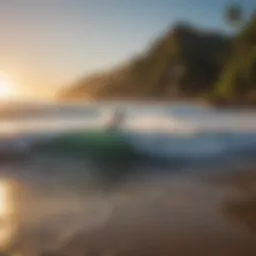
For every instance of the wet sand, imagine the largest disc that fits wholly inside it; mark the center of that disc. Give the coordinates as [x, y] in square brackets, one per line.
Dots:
[182, 216]
[168, 214]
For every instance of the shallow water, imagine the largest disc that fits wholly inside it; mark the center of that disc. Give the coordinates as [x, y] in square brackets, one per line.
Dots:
[184, 214]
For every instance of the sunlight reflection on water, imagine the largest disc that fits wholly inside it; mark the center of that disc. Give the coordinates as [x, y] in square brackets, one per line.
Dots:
[8, 212]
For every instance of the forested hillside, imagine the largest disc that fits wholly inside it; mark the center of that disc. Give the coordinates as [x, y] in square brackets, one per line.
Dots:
[185, 63]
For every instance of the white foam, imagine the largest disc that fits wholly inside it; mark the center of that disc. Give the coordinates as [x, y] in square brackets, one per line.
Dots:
[160, 124]
[193, 122]
[145, 119]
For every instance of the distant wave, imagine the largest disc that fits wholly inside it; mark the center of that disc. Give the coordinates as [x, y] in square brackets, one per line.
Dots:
[162, 131]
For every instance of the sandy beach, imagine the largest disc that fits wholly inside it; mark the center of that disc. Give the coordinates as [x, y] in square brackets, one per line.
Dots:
[170, 214]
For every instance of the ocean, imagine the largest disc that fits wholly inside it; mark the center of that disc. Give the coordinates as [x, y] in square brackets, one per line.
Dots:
[174, 195]
[161, 131]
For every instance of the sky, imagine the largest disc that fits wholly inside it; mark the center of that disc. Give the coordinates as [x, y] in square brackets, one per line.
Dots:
[46, 44]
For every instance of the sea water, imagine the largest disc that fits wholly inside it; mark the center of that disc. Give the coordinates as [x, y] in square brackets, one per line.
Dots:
[59, 200]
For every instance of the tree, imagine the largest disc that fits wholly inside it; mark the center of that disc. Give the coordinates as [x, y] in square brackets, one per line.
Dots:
[234, 15]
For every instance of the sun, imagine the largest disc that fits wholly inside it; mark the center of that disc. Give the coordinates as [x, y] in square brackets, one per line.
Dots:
[6, 89]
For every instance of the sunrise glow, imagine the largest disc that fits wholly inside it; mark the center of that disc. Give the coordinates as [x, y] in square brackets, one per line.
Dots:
[7, 88]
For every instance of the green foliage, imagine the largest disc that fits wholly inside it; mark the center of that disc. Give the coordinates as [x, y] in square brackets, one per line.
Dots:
[238, 79]
[234, 14]
[185, 62]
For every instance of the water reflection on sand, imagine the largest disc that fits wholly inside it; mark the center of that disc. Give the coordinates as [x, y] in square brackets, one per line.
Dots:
[9, 212]
[169, 214]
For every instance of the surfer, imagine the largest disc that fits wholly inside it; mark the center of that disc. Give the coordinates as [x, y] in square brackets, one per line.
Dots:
[116, 120]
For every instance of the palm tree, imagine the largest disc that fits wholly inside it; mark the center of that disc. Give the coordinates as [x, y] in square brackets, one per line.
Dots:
[234, 15]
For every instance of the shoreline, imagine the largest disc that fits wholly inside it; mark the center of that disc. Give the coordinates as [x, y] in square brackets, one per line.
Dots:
[186, 101]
